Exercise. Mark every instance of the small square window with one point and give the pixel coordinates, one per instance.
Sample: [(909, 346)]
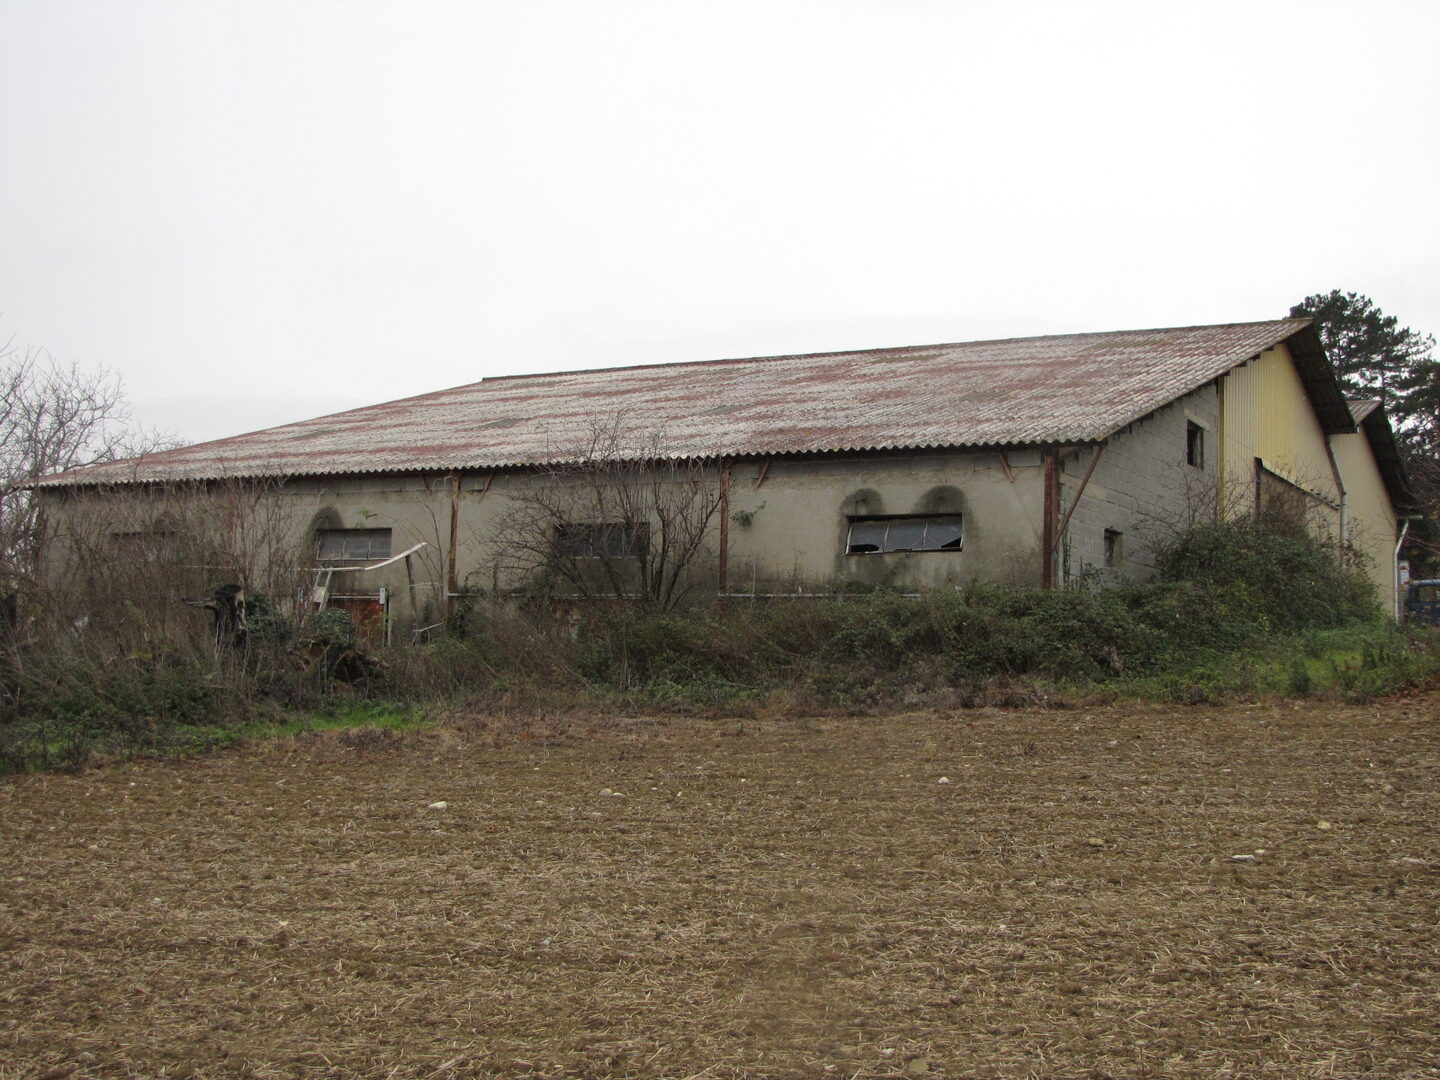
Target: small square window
[(1194, 444), (1114, 547)]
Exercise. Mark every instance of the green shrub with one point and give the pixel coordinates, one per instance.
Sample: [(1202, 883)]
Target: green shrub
[(333, 623), (1238, 609), (1287, 577)]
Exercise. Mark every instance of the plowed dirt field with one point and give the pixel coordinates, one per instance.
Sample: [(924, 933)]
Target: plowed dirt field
[(1248, 891)]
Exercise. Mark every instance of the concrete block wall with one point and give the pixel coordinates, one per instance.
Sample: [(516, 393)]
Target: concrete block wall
[(1143, 488)]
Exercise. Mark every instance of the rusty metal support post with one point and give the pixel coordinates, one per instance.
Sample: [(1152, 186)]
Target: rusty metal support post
[(1049, 528), (723, 563), (452, 570)]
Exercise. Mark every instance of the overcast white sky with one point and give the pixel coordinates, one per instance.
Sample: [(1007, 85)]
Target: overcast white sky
[(266, 210)]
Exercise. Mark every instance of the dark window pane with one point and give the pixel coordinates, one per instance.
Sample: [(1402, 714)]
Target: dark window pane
[(601, 540), (866, 537), (905, 534), (1194, 444), (942, 534), (353, 545), (918, 533), (616, 540), (572, 541)]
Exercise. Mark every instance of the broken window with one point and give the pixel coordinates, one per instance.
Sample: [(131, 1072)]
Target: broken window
[(1194, 444), (914, 533), (353, 545), (601, 539), (1114, 550)]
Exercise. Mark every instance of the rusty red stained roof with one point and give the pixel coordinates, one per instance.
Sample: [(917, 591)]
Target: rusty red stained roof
[(1063, 388)]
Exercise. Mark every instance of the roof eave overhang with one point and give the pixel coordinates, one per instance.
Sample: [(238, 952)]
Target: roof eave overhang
[(1381, 437), (61, 482), (1322, 385)]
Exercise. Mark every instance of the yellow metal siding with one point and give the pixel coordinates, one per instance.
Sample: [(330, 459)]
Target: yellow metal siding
[(1266, 415), (1372, 525), (1269, 417), (1288, 437)]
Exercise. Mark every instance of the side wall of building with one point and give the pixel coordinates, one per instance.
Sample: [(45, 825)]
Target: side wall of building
[(1144, 487), (787, 527), (1271, 439), (790, 519), (1269, 426), (1371, 525)]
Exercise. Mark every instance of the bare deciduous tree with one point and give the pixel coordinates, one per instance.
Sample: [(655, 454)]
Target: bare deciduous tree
[(54, 416), (613, 518)]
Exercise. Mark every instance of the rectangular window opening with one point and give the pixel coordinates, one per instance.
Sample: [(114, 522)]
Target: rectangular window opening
[(1114, 547), (353, 545), (602, 539), (875, 536), (156, 545), (1194, 444)]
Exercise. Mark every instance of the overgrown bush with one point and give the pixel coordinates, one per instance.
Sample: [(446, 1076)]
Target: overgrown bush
[(1239, 608), (1221, 588), (1284, 577)]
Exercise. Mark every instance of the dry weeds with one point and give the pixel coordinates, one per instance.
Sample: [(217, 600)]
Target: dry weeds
[(762, 899)]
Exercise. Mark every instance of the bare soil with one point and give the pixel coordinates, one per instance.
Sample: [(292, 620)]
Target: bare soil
[(762, 898)]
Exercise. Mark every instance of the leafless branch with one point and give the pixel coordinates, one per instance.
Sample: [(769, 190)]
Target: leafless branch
[(54, 416), (612, 517)]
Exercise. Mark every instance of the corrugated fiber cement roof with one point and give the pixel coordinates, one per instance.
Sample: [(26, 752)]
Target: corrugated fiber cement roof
[(1064, 388)]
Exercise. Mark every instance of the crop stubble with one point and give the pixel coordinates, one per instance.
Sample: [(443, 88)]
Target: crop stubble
[(762, 898)]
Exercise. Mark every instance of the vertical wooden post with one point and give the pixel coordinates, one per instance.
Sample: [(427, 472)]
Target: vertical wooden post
[(452, 572), (1050, 526)]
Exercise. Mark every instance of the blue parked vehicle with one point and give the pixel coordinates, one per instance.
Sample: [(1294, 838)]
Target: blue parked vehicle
[(1422, 601)]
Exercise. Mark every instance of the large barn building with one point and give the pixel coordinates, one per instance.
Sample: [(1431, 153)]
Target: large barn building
[(1041, 461)]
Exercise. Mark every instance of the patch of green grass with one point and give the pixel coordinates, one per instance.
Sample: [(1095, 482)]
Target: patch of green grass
[(335, 715), (1357, 662), (72, 744)]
